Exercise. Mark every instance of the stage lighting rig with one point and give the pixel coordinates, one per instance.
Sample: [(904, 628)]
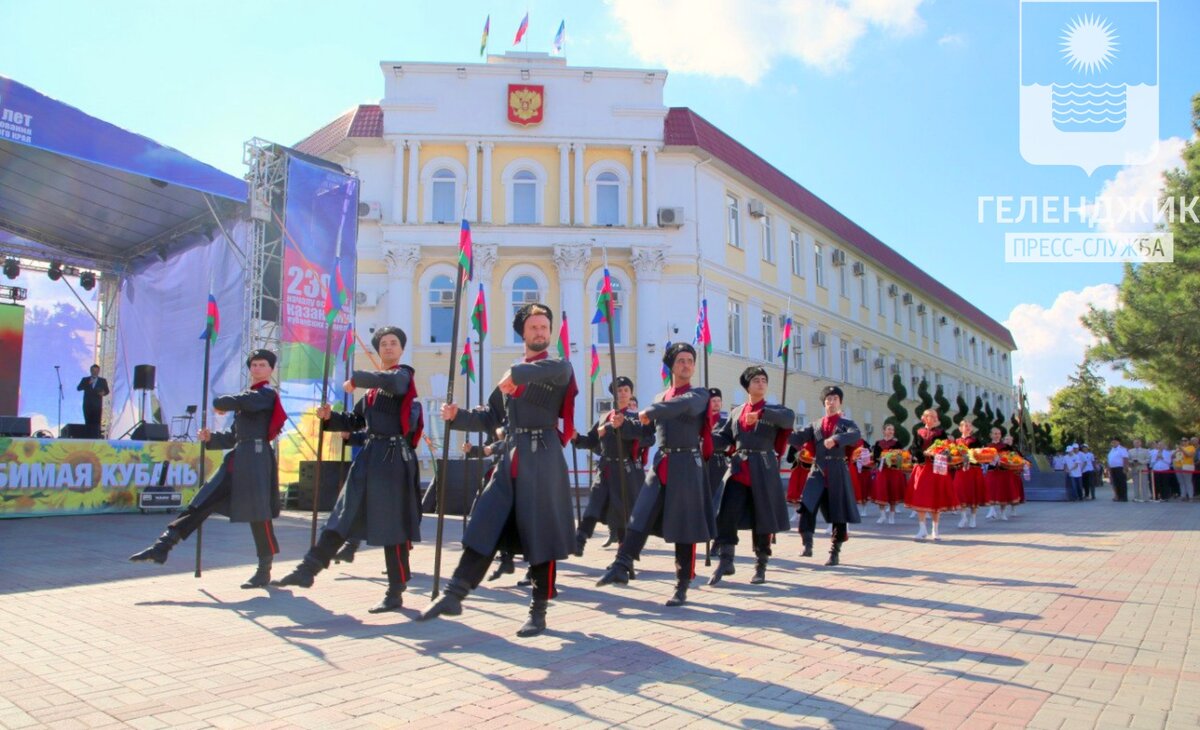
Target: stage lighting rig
[(87, 281), (14, 293), (55, 271), (12, 268)]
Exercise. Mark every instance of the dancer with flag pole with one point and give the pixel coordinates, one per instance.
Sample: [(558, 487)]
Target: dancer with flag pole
[(717, 461), (479, 323), (564, 352), (335, 299), (464, 275), (212, 325), (467, 370), (604, 315)]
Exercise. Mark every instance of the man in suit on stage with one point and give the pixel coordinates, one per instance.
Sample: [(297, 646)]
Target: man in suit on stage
[(94, 389)]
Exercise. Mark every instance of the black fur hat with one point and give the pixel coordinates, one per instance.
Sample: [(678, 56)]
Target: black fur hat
[(389, 330), (620, 381), (829, 390), (749, 373), (673, 352), (527, 311), (261, 355)]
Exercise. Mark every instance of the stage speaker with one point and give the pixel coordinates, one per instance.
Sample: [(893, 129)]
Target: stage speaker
[(80, 431), (462, 484), (333, 474), (143, 377), (14, 426), (151, 431)]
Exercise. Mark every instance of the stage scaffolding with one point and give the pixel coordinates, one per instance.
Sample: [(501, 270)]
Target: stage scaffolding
[(267, 182)]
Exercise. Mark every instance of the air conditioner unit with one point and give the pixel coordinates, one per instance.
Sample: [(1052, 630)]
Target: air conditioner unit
[(529, 296), (369, 210), (893, 290), (942, 321), (818, 339), (756, 208), (360, 298), (839, 257), (879, 363), (672, 217), (895, 369), (921, 309), (907, 298), (448, 296), (859, 355), (859, 268)]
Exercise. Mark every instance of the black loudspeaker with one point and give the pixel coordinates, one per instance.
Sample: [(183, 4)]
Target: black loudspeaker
[(80, 431), (333, 474), (462, 483), (151, 431), (14, 426), (143, 377)]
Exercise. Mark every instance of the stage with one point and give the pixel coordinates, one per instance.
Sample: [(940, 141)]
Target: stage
[(55, 477)]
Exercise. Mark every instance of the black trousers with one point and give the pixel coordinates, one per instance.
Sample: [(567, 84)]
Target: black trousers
[(395, 557), (1119, 483), (588, 526), (808, 520), (91, 416), (474, 565), (737, 502), (197, 512), (685, 554)]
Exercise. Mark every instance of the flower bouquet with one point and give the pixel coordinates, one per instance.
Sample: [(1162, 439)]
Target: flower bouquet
[(1012, 461), (896, 459), (955, 454), (986, 455)]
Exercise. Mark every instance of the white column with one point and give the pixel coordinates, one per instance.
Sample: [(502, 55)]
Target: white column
[(651, 190), (578, 217), (486, 190), (398, 181), (402, 260), (472, 180), (571, 262), (638, 219), (414, 165), (647, 268), (564, 184)]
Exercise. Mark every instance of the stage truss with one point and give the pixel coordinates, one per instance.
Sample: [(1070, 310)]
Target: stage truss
[(267, 182)]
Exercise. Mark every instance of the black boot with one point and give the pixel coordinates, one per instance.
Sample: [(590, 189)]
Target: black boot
[(725, 566), (618, 572), (581, 539), (346, 554), (393, 600), (537, 619), (807, 539), (262, 576), (527, 580), (680, 596), (158, 551), (506, 567), (835, 548), (612, 539), (303, 575), (450, 602), (760, 567)]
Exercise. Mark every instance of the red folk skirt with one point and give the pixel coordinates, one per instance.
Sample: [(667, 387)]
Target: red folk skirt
[(1004, 487), (930, 492), (889, 486), (862, 483), (970, 487), (796, 482)]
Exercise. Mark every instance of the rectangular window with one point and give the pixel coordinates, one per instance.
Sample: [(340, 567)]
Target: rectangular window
[(937, 328), (822, 361), (797, 254), (864, 373), (843, 280), (443, 200), (844, 355), (524, 202), (608, 208), (924, 325), (818, 264), (797, 362), (734, 327), (882, 375), (862, 290), (733, 226), (879, 294), (768, 242), (768, 336), (912, 322), (896, 309)]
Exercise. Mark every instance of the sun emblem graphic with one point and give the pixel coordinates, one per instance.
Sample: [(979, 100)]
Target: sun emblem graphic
[(1089, 44)]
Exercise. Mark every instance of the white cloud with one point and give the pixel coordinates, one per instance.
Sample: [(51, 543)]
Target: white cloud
[(1051, 341), (1136, 183), (743, 40), (952, 40)]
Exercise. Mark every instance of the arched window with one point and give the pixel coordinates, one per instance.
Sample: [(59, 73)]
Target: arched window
[(524, 290), (524, 198), (441, 309), (442, 190), (608, 199)]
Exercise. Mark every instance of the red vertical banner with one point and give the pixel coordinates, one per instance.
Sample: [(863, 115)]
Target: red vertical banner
[(12, 338)]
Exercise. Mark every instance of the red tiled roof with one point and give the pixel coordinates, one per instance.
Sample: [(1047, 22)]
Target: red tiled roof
[(685, 128), (366, 120)]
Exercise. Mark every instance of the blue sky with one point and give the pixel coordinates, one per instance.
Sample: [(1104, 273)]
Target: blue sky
[(900, 114)]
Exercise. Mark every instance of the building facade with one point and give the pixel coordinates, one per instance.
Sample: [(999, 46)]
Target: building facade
[(563, 169)]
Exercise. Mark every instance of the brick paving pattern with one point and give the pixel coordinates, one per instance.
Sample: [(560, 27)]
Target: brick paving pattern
[(1067, 616)]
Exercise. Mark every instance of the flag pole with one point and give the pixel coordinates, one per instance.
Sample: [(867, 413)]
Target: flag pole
[(325, 367), (480, 437), (787, 352), (574, 449), (704, 349), (474, 460), (460, 281), (612, 364), (203, 425)]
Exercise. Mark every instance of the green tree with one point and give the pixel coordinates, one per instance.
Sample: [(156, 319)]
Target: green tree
[(943, 408), (1152, 334), (1083, 409), (899, 416), (960, 414), (924, 403)]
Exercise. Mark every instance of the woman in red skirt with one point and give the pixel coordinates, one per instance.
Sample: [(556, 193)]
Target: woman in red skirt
[(802, 461), (929, 492), (969, 484), (860, 476), (889, 484), (999, 482), (1016, 487)]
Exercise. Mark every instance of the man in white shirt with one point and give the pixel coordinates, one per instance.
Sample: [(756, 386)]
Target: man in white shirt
[(1089, 471), (1117, 456), (1136, 467), (1160, 466), (1074, 466)]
